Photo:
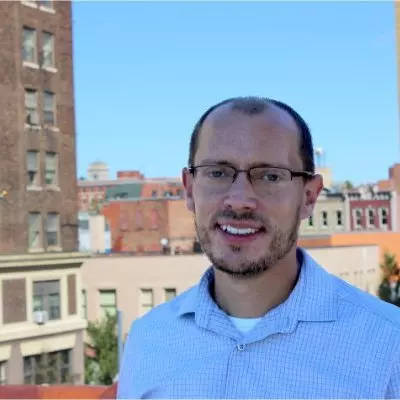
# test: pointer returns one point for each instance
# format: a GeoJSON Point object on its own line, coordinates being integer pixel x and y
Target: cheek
{"type": "Point", "coordinates": [205, 206]}
{"type": "Point", "coordinates": [282, 209]}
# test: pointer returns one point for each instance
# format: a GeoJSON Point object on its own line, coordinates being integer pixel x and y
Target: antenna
{"type": "Point", "coordinates": [319, 154]}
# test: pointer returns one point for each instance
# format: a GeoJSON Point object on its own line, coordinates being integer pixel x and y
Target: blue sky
{"type": "Point", "coordinates": [146, 71]}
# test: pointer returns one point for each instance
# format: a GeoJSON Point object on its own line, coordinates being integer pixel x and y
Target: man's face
{"type": "Point", "coordinates": [245, 228]}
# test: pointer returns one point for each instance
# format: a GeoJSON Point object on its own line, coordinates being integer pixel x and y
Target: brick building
{"type": "Point", "coordinates": [372, 209]}
{"type": "Point", "coordinates": [139, 226]}
{"type": "Point", "coordinates": [39, 263]}
{"type": "Point", "coordinates": [98, 187]}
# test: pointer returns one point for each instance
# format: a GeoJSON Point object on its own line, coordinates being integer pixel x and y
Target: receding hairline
{"type": "Point", "coordinates": [251, 106]}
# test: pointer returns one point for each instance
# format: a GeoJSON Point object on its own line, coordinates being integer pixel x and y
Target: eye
{"type": "Point", "coordinates": [215, 172]}
{"type": "Point", "coordinates": [271, 177]}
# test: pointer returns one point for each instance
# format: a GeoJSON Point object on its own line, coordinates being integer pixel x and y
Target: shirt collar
{"type": "Point", "coordinates": [313, 298]}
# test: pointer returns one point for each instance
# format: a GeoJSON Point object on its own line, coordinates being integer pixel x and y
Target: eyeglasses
{"type": "Point", "coordinates": [265, 180]}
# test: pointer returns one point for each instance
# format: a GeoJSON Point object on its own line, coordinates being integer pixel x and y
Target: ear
{"type": "Point", "coordinates": [312, 190]}
{"type": "Point", "coordinates": [187, 179]}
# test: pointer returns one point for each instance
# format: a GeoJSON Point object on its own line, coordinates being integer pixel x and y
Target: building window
{"type": "Point", "coordinates": [32, 166]}
{"type": "Point", "coordinates": [154, 193]}
{"type": "Point", "coordinates": [311, 221]}
{"type": "Point", "coordinates": [46, 297]}
{"type": "Point", "coordinates": [48, 50]}
{"type": "Point", "coordinates": [29, 49]}
{"type": "Point", "coordinates": [324, 219]}
{"type": "Point", "coordinates": [358, 219]}
{"type": "Point", "coordinates": [52, 230]}
{"type": "Point", "coordinates": [84, 303]}
{"type": "Point", "coordinates": [48, 368]}
{"type": "Point", "coordinates": [139, 220]}
{"type": "Point", "coordinates": [49, 108]}
{"type": "Point", "coordinates": [170, 294]}
{"type": "Point", "coordinates": [146, 300]}
{"type": "Point", "coordinates": [339, 218]}
{"type": "Point", "coordinates": [154, 219]}
{"type": "Point", "coordinates": [3, 372]}
{"type": "Point", "coordinates": [383, 217]}
{"type": "Point", "coordinates": [50, 171]}
{"type": "Point", "coordinates": [108, 303]}
{"type": "Point", "coordinates": [35, 231]}
{"type": "Point", "coordinates": [371, 218]}
{"type": "Point", "coordinates": [31, 107]}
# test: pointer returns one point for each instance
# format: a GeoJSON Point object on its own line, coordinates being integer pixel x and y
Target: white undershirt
{"type": "Point", "coordinates": [244, 325]}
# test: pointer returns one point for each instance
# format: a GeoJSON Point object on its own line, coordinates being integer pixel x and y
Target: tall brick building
{"type": "Point", "coordinates": [40, 317]}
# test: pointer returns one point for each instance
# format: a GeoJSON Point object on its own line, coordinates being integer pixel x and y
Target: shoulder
{"type": "Point", "coordinates": [366, 306]}
{"type": "Point", "coordinates": [162, 317]}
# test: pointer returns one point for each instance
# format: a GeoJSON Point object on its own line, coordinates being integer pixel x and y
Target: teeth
{"type": "Point", "coordinates": [238, 231]}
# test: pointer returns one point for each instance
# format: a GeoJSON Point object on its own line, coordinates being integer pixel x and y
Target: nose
{"type": "Point", "coordinates": [241, 194]}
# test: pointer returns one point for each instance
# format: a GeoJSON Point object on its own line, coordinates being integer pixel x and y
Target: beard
{"type": "Point", "coordinates": [281, 243]}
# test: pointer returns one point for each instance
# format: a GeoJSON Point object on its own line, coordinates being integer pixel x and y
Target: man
{"type": "Point", "coordinates": [265, 321]}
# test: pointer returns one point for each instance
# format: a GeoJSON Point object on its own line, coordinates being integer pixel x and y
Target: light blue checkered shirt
{"type": "Point", "coordinates": [327, 340]}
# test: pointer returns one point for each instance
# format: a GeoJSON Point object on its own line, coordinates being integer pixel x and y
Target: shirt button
{"type": "Point", "coordinates": [240, 347]}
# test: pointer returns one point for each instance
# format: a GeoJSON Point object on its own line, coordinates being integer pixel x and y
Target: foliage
{"type": "Point", "coordinates": [389, 289]}
{"type": "Point", "coordinates": [101, 369]}
{"type": "Point", "coordinates": [348, 185]}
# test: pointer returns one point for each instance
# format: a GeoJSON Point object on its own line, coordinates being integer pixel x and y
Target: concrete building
{"type": "Point", "coordinates": [330, 215]}
{"type": "Point", "coordinates": [39, 263]}
{"type": "Point", "coordinates": [41, 318]}
{"type": "Point", "coordinates": [94, 233]}
{"type": "Point", "coordinates": [136, 284]}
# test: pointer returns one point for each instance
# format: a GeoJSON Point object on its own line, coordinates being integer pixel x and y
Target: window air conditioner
{"type": "Point", "coordinates": [40, 317]}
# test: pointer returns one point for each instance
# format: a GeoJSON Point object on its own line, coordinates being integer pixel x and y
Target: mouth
{"type": "Point", "coordinates": [236, 233]}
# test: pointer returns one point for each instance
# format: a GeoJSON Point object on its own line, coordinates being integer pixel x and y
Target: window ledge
{"type": "Point", "coordinates": [36, 250]}
{"type": "Point", "coordinates": [34, 188]}
{"type": "Point", "coordinates": [29, 4]}
{"type": "Point", "coordinates": [47, 9]}
{"type": "Point", "coordinates": [53, 188]}
{"type": "Point", "coordinates": [52, 128]}
{"type": "Point", "coordinates": [50, 69]}
{"type": "Point", "coordinates": [30, 64]}
{"type": "Point", "coordinates": [53, 249]}
{"type": "Point", "coordinates": [32, 127]}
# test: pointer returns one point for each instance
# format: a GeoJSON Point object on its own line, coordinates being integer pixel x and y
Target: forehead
{"type": "Point", "coordinates": [270, 137]}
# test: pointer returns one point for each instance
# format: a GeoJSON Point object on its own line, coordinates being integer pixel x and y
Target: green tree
{"type": "Point", "coordinates": [101, 368]}
{"type": "Point", "coordinates": [348, 185]}
{"type": "Point", "coordinates": [389, 289]}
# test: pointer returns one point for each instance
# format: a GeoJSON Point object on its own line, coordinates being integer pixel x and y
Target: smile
{"type": "Point", "coordinates": [238, 231]}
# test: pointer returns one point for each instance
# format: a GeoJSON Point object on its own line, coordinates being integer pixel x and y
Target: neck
{"type": "Point", "coordinates": [252, 298]}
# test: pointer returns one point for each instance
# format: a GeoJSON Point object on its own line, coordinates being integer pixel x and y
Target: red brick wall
{"type": "Point", "coordinates": [159, 219]}
{"type": "Point", "coordinates": [375, 205]}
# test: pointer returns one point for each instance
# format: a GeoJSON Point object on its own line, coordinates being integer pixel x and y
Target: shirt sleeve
{"type": "Point", "coordinates": [126, 376]}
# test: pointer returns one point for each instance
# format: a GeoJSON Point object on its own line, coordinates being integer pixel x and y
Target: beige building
{"type": "Point", "coordinates": [41, 324]}
{"type": "Point", "coordinates": [330, 216]}
{"type": "Point", "coordinates": [136, 284]}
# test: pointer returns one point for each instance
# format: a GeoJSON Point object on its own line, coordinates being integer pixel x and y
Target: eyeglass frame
{"type": "Point", "coordinates": [293, 174]}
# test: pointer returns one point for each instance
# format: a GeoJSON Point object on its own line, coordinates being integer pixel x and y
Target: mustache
{"type": "Point", "coordinates": [243, 216]}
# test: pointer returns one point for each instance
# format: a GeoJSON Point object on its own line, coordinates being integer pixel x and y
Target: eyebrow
{"type": "Point", "coordinates": [211, 161]}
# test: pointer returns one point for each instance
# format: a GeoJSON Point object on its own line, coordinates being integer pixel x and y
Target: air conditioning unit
{"type": "Point", "coordinates": [40, 317]}
{"type": "Point", "coordinates": [33, 118]}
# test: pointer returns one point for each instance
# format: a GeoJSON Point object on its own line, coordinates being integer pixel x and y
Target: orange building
{"type": "Point", "coordinates": [387, 241]}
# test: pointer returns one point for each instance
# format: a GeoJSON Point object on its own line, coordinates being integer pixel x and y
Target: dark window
{"type": "Point", "coordinates": [46, 297]}
{"type": "Point", "coordinates": [48, 368]}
